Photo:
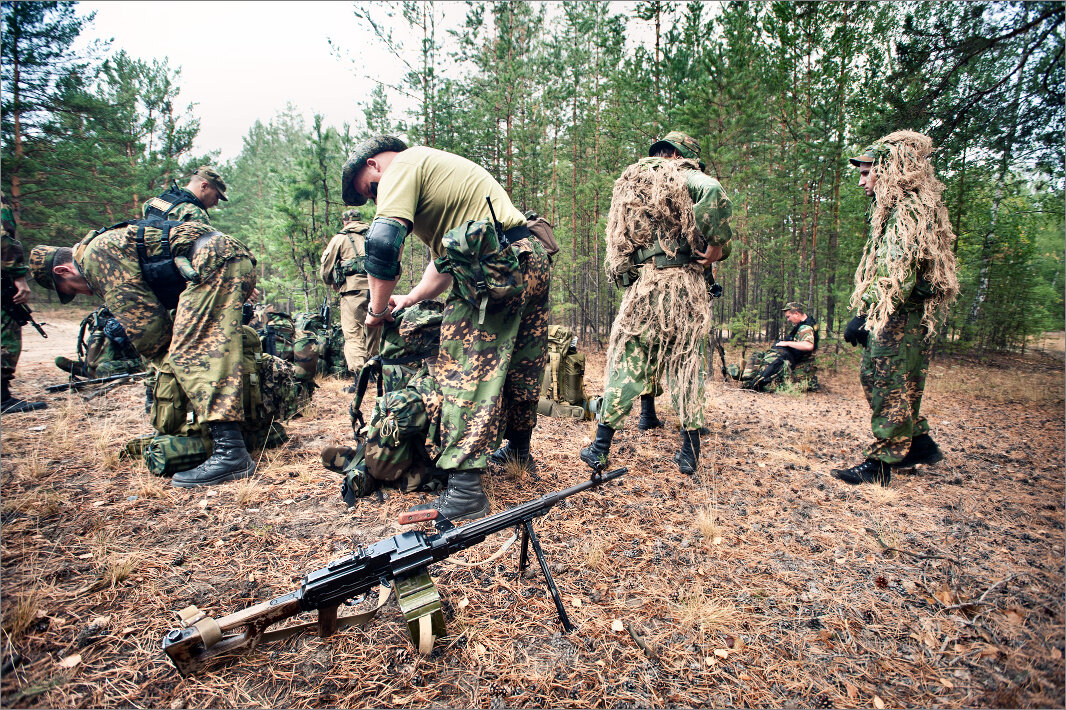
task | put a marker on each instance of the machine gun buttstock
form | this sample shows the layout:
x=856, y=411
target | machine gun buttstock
x=204, y=638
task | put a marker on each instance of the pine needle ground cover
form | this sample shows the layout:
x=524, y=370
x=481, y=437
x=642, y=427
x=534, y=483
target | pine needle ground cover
x=762, y=582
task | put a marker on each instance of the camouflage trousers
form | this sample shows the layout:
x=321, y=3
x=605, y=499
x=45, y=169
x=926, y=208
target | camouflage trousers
x=360, y=342
x=892, y=372
x=10, y=347
x=489, y=374
x=639, y=372
x=202, y=341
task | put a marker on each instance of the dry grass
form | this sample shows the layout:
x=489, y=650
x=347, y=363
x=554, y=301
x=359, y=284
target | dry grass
x=798, y=605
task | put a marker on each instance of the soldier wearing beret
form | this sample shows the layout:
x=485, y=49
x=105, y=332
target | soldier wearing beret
x=668, y=223
x=344, y=270
x=187, y=322
x=492, y=353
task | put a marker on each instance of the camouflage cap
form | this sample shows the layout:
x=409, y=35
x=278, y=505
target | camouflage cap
x=685, y=144
x=42, y=258
x=795, y=306
x=351, y=216
x=867, y=157
x=213, y=179
x=362, y=153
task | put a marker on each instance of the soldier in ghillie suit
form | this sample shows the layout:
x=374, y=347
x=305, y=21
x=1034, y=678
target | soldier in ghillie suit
x=13, y=270
x=765, y=368
x=904, y=285
x=668, y=223
x=493, y=340
x=344, y=270
x=201, y=344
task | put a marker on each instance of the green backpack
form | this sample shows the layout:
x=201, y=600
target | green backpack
x=480, y=269
x=562, y=386
x=399, y=442
x=278, y=335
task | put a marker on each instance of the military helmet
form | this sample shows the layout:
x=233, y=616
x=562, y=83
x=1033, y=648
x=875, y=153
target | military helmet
x=42, y=259
x=685, y=144
x=213, y=179
x=363, y=152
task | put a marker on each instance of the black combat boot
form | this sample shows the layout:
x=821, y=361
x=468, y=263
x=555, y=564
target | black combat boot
x=595, y=454
x=688, y=458
x=869, y=471
x=923, y=451
x=463, y=499
x=648, y=420
x=516, y=449
x=10, y=404
x=74, y=367
x=229, y=460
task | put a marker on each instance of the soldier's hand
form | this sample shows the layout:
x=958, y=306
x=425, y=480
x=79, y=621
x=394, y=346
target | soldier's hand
x=22, y=291
x=254, y=298
x=402, y=300
x=855, y=332
x=708, y=256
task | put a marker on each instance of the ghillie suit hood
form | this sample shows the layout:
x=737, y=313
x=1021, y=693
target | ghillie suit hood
x=666, y=308
x=907, y=194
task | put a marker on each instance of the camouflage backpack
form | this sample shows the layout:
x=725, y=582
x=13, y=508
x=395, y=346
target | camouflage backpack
x=399, y=442
x=562, y=386
x=278, y=335
x=103, y=348
x=481, y=270
x=271, y=394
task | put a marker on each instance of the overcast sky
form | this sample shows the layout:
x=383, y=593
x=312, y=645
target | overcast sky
x=242, y=61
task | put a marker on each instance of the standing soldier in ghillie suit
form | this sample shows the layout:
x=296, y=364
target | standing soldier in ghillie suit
x=668, y=223
x=493, y=344
x=189, y=203
x=344, y=270
x=904, y=285
x=205, y=282
x=14, y=271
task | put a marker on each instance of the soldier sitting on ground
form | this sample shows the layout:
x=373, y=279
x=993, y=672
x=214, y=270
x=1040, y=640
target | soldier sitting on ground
x=795, y=352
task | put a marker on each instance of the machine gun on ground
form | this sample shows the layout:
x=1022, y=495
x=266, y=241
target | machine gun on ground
x=19, y=312
x=75, y=385
x=401, y=559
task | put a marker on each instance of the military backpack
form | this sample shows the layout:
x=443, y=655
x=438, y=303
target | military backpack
x=562, y=385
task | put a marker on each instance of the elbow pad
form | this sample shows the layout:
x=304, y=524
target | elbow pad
x=383, y=244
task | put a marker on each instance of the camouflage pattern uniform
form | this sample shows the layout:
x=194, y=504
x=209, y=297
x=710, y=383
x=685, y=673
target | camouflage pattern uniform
x=637, y=372
x=342, y=269
x=182, y=212
x=759, y=361
x=13, y=267
x=893, y=370
x=201, y=343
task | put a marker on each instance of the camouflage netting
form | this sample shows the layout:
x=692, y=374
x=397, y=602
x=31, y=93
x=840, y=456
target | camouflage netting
x=668, y=309
x=907, y=185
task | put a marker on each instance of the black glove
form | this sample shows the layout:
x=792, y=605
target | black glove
x=856, y=332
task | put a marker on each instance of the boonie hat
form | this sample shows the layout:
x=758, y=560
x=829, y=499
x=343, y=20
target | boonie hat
x=351, y=215
x=42, y=257
x=685, y=144
x=362, y=153
x=213, y=179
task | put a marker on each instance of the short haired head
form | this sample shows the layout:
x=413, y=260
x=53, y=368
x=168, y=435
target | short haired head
x=42, y=262
x=209, y=174
x=362, y=153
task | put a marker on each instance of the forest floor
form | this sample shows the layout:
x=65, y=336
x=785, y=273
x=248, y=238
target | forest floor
x=761, y=581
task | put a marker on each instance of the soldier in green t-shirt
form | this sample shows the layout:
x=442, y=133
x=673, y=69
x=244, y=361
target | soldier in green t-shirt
x=491, y=354
x=765, y=368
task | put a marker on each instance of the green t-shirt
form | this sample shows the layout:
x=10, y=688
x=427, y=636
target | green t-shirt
x=438, y=191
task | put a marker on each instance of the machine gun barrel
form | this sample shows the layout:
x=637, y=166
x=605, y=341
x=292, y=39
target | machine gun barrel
x=81, y=384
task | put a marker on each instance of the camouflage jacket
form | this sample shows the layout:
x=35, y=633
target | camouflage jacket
x=13, y=263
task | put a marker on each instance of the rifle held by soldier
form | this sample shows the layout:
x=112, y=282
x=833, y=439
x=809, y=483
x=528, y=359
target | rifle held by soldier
x=397, y=559
x=19, y=312
x=75, y=385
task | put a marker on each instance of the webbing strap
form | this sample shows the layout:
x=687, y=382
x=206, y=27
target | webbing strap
x=360, y=619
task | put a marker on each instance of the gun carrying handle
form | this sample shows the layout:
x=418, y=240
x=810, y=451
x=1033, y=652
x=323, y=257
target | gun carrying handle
x=418, y=516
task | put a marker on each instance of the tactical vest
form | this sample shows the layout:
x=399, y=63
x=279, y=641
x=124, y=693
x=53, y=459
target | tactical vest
x=159, y=207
